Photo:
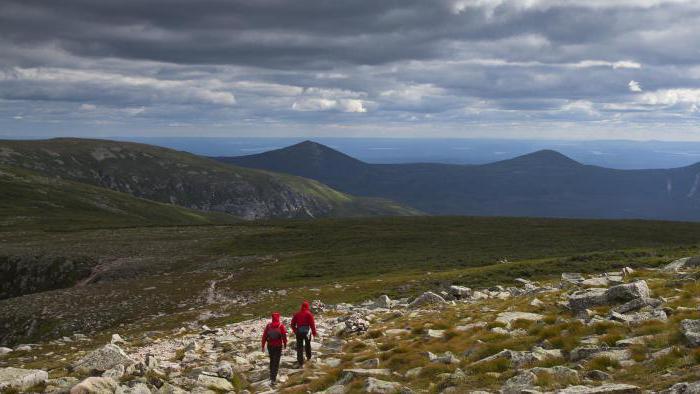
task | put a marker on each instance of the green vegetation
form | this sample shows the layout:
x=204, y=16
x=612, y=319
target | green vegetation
x=180, y=178
x=165, y=271
x=32, y=201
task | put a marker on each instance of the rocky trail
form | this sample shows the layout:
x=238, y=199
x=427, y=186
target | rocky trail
x=616, y=332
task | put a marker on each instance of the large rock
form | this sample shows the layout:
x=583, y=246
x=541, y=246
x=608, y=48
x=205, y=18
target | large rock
x=684, y=263
x=383, y=302
x=427, y=298
x=683, y=388
x=95, y=385
x=21, y=379
x=138, y=388
x=558, y=372
x=521, y=358
x=373, y=385
x=508, y=318
x=612, y=388
x=628, y=292
x=691, y=331
x=102, y=360
x=584, y=299
x=460, y=291
x=214, y=383
x=636, y=304
x=525, y=380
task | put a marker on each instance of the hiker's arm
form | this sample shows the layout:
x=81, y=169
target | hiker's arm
x=264, y=339
x=313, y=325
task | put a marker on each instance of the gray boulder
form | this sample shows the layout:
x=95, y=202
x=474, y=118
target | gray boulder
x=524, y=380
x=636, y=304
x=427, y=298
x=95, y=385
x=214, y=383
x=691, y=331
x=383, y=302
x=584, y=299
x=224, y=370
x=373, y=385
x=102, y=360
x=683, y=388
x=628, y=292
x=460, y=291
x=684, y=263
x=612, y=388
x=21, y=379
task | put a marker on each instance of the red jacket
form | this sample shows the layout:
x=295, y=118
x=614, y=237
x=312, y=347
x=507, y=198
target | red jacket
x=275, y=334
x=304, y=318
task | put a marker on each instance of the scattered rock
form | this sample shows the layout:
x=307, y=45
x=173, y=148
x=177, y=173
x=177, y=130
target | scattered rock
x=5, y=350
x=628, y=292
x=636, y=304
x=611, y=388
x=214, y=382
x=427, y=298
x=368, y=372
x=684, y=263
x=584, y=299
x=373, y=385
x=384, y=302
x=436, y=333
x=598, y=375
x=117, y=339
x=102, y=359
x=517, y=384
x=508, y=318
x=20, y=379
x=369, y=364
x=683, y=388
x=95, y=385
x=691, y=331
x=460, y=291
x=224, y=370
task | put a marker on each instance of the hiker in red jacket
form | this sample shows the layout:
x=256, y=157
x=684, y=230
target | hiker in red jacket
x=275, y=335
x=304, y=326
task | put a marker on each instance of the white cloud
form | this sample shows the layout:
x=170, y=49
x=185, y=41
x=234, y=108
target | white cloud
x=202, y=91
x=634, y=86
x=686, y=98
x=323, y=104
x=88, y=107
x=580, y=106
x=412, y=93
x=489, y=7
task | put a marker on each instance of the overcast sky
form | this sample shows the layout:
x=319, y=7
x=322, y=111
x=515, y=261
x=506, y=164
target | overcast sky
x=592, y=69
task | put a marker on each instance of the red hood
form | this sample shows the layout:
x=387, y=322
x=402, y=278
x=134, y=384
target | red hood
x=275, y=319
x=305, y=306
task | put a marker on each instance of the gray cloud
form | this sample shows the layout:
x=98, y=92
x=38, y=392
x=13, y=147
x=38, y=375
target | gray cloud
x=529, y=68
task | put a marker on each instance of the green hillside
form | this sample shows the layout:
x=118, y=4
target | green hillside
x=32, y=201
x=191, y=181
x=156, y=277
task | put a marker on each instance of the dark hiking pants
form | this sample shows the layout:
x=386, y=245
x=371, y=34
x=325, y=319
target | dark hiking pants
x=275, y=356
x=303, y=343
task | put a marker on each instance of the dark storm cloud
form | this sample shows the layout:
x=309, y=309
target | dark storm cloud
x=427, y=66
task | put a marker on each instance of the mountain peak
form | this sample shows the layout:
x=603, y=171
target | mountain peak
x=543, y=158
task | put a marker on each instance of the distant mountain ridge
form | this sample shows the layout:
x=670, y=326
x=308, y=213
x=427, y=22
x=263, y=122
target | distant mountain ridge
x=188, y=180
x=544, y=183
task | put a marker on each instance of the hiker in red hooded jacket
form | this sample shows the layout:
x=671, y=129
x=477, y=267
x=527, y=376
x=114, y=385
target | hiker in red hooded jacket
x=304, y=326
x=275, y=335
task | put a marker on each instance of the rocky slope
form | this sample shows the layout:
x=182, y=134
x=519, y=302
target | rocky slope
x=616, y=332
x=187, y=180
